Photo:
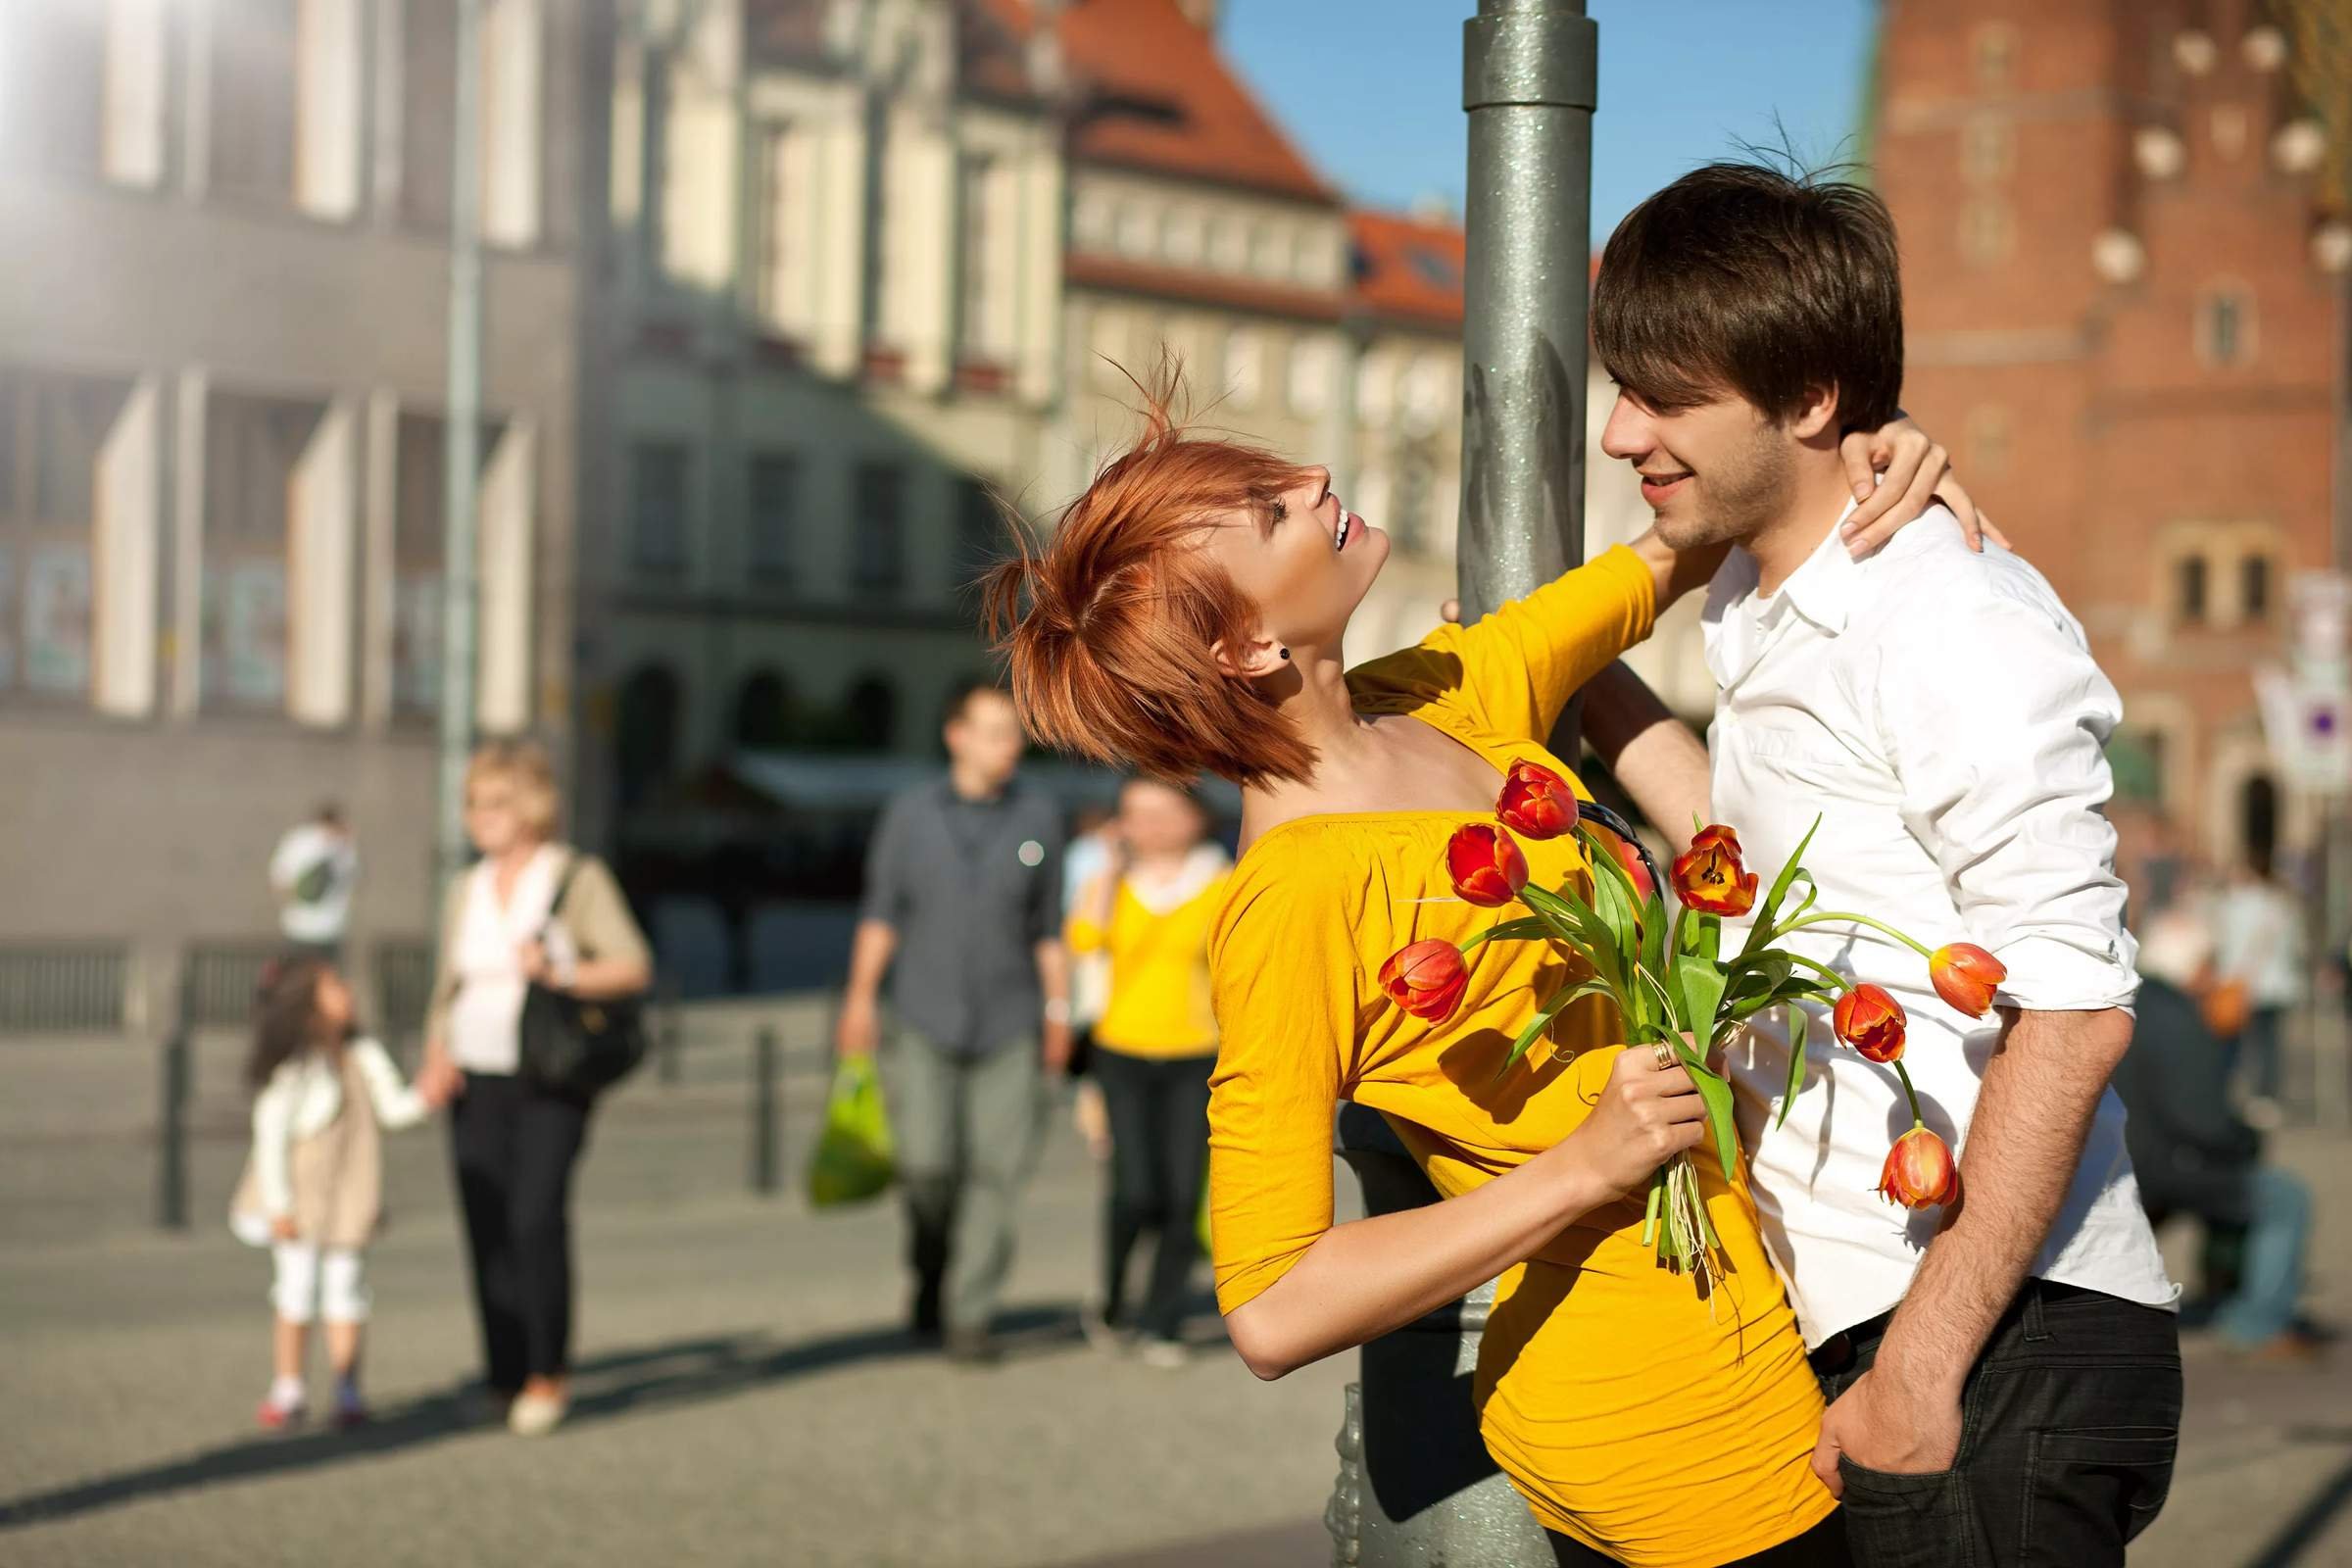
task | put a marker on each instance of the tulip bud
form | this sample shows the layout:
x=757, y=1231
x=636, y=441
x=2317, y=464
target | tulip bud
x=1486, y=865
x=1425, y=979
x=1871, y=1021
x=1919, y=1172
x=1536, y=802
x=1711, y=877
x=1965, y=976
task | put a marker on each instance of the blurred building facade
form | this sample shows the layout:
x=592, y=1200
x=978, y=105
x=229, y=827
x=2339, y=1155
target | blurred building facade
x=2124, y=278
x=222, y=369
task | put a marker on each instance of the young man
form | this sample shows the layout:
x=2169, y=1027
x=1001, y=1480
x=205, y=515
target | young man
x=963, y=892
x=2008, y=1365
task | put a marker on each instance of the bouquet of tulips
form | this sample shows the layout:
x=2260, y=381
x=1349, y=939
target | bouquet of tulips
x=1671, y=982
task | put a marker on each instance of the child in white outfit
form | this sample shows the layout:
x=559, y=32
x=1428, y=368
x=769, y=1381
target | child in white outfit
x=313, y=1190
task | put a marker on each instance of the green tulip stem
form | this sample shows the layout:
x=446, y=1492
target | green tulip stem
x=1909, y=1093
x=1657, y=1201
x=1833, y=917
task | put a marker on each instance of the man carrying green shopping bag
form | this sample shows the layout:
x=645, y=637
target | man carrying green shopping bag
x=963, y=907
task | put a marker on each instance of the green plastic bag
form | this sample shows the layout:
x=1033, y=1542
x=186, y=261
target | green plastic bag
x=852, y=1159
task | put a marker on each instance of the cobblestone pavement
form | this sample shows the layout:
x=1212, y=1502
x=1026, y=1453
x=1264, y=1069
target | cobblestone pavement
x=745, y=1396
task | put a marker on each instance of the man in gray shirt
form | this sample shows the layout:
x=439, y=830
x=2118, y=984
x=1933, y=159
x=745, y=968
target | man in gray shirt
x=963, y=907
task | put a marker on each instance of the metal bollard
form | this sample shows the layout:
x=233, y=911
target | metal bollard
x=172, y=1174
x=764, y=1111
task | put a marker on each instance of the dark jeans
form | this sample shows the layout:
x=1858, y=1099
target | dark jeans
x=514, y=1144
x=1158, y=1110
x=1822, y=1547
x=2068, y=1427
x=2270, y=1275
x=2260, y=1042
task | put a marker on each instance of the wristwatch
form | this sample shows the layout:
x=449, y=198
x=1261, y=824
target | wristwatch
x=1057, y=1009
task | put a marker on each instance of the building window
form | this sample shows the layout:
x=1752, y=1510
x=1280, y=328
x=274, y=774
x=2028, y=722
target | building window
x=53, y=430
x=1425, y=393
x=1228, y=243
x=871, y=712
x=770, y=492
x=1269, y=251
x=418, y=519
x=784, y=273
x=254, y=449
x=657, y=501
x=877, y=555
x=53, y=69
x=2224, y=333
x=645, y=733
x=1135, y=228
x=1992, y=56
x=254, y=79
x=980, y=532
x=1309, y=385
x=1244, y=367
x=1091, y=223
x=984, y=319
x=764, y=715
x=2254, y=587
x=1987, y=231
x=2189, y=589
x=2135, y=758
x=1183, y=238
x=1987, y=151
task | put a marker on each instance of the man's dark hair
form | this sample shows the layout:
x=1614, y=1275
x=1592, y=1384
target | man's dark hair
x=1742, y=277
x=961, y=695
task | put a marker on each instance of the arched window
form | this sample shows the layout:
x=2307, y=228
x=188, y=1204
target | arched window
x=2189, y=596
x=763, y=711
x=645, y=735
x=871, y=712
x=2254, y=587
x=2258, y=822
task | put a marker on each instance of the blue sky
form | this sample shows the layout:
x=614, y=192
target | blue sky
x=1372, y=89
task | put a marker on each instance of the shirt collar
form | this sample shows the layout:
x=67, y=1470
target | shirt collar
x=1822, y=590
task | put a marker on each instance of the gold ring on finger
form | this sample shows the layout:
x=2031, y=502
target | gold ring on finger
x=1663, y=1054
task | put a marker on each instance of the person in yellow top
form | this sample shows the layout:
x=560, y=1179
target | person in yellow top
x=1150, y=911
x=1188, y=613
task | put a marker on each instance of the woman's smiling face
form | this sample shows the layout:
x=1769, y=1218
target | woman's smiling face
x=1305, y=562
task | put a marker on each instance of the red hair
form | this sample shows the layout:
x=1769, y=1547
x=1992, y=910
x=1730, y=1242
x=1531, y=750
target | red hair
x=1110, y=627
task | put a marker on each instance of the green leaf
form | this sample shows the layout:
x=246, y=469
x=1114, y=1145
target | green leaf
x=1762, y=931
x=1528, y=928
x=1544, y=1017
x=1697, y=979
x=1718, y=1094
x=1800, y=1028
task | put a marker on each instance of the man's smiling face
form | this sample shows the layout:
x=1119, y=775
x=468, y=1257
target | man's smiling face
x=1714, y=471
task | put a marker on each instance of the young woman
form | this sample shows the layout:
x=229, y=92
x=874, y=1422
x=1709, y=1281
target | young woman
x=1187, y=614
x=1150, y=911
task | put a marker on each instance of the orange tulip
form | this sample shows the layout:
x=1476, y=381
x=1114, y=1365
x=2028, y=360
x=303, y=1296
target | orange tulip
x=1965, y=976
x=1711, y=877
x=1486, y=865
x=1425, y=979
x=1536, y=802
x=1919, y=1172
x=1871, y=1021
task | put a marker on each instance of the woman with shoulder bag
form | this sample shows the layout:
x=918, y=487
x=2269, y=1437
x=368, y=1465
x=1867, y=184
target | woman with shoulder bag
x=534, y=929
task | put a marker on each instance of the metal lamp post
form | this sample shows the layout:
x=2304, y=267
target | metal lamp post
x=1416, y=1487
x=461, y=435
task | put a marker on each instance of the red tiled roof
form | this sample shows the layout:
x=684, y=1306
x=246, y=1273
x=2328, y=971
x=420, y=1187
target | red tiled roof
x=1208, y=288
x=1164, y=99
x=1407, y=269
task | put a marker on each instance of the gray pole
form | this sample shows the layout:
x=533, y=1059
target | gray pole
x=1416, y=1487
x=461, y=434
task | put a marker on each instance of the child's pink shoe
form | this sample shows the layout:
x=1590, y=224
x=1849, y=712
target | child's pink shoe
x=277, y=1418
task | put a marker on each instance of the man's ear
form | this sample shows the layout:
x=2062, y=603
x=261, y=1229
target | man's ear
x=1247, y=659
x=1818, y=416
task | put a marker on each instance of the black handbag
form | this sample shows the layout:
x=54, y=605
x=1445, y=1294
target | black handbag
x=570, y=1043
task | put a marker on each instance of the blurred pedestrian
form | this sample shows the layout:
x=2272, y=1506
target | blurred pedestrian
x=531, y=912
x=311, y=873
x=2196, y=1156
x=312, y=1188
x=1148, y=911
x=963, y=907
x=1093, y=841
x=2259, y=960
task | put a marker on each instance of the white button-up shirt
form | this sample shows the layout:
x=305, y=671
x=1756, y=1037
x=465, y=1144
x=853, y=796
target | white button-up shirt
x=1939, y=711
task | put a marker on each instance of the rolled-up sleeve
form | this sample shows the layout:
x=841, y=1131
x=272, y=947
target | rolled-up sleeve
x=1998, y=720
x=886, y=868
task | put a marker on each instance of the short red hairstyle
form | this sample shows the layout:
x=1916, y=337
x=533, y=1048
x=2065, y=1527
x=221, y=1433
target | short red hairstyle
x=1108, y=627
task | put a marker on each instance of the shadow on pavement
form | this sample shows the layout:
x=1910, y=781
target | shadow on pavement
x=646, y=1377
x=2298, y=1535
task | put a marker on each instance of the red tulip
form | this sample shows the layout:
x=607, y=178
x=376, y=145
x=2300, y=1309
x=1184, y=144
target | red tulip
x=1425, y=979
x=1871, y=1021
x=1919, y=1172
x=1536, y=802
x=1486, y=865
x=1965, y=976
x=1710, y=876
x=1631, y=859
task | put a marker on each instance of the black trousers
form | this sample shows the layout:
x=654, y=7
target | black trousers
x=2068, y=1424
x=1822, y=1547
x=514, y=1146
x=1159, y=1111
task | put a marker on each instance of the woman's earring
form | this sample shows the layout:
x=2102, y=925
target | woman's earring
x=1286, y=656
